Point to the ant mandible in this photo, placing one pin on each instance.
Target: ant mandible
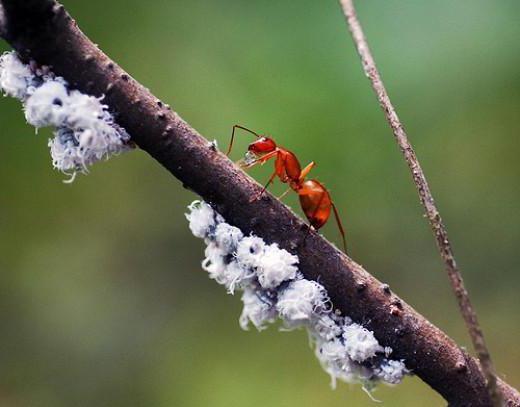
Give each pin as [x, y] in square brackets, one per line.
[314, 198]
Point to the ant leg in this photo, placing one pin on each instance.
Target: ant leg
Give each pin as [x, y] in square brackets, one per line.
[265, 188]
[306, 170]
[340, 226]
[262, 160]
[285, 193]
[308, 233]
[237, 126]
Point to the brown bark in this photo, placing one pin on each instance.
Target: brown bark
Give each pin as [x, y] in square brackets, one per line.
[43, 31]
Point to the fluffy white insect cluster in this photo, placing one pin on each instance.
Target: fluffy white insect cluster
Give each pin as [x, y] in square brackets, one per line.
[85, 132]
[272, 288]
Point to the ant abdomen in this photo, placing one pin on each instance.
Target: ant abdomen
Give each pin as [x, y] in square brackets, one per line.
[315, 202]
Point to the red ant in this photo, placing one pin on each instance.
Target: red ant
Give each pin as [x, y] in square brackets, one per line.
[315, 200]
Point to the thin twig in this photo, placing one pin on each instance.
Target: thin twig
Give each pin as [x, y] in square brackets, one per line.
[439, 230]
[53, 38]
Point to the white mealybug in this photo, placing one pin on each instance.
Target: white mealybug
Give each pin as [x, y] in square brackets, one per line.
[273, 289]
[84, 129]
[15, 77]
[302, 302]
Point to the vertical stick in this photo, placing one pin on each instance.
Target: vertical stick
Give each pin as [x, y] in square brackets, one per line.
[439, 230]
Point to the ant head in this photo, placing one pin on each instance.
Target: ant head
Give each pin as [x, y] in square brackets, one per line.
[262, 145]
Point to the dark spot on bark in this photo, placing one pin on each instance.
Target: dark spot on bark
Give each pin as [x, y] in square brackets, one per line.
[397, 303]
[361, 286]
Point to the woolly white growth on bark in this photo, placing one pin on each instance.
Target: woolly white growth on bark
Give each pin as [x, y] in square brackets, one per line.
[276, 266]
[227, 237]
[360, 343]
[85, 131]
[334, 359]
[229, 274]
[15, 77]
[327, 328]
[250, 251]
[258, 309]
[391, 371]
[237, 276]
[202, 219]
[272, 264]
[214, 263]
[274, 289]
[302, 301]
[47, 106]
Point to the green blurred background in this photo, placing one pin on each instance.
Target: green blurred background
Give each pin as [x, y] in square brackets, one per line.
[102, 299]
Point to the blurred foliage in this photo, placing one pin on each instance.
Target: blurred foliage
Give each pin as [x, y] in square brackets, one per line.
[102, 299]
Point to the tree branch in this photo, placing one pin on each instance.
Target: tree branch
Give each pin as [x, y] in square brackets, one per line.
[54, 39]
[426, 197]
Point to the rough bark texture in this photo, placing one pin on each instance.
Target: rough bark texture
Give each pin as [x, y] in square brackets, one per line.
[426, 197]
[43, 31]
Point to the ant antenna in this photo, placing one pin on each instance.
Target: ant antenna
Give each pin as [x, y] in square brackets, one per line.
[237, 126]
